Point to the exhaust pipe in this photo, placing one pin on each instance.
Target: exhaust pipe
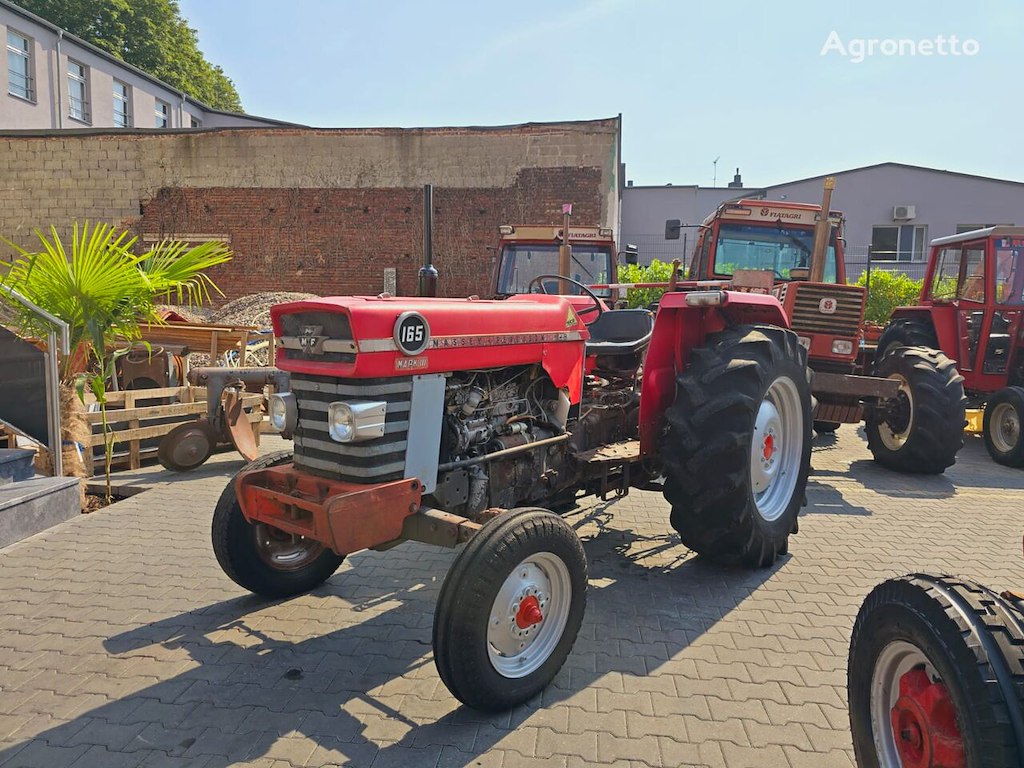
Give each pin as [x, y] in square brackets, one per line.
[428, 273]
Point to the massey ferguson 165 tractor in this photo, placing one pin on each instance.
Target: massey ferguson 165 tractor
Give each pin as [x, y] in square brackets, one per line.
[971, 307]
[912, 402]
[936, 676]
[454, 421]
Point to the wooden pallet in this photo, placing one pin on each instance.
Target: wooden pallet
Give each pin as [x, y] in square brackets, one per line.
[136, 422]
[200, 337]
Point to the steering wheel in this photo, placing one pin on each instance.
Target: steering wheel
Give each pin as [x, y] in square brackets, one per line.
[598, 304]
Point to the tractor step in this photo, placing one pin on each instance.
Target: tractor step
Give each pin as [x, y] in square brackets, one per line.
[613, 453]
[611, 457]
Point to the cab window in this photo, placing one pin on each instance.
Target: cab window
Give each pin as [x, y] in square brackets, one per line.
[522, 262]
[1009, 266]
[947, 274]
[972, 287]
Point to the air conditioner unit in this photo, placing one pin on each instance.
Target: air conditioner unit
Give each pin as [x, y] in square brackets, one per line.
[903, 212]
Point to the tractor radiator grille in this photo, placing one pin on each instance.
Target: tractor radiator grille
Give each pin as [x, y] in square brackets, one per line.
[324, 337]
[370, 461]
[807, 315]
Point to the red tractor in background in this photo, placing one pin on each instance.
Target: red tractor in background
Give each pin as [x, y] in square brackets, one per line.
[971, 308]
[452, 421]
[911, 399]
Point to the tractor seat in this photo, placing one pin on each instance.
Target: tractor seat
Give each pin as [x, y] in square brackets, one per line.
[620, 332]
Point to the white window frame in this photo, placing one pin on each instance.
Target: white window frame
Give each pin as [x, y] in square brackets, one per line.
[164, 114]
[82, 115]
[25, 54]
[126, 101]
[195, 122]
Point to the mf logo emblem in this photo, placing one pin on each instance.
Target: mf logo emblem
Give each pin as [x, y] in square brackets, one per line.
[828, 306]
[311, 340]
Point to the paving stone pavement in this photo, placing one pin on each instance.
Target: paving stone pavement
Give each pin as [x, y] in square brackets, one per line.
[123, 644]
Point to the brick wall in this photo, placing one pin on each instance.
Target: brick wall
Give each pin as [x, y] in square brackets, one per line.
[318, 210]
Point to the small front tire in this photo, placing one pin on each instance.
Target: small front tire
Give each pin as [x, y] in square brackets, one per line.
[1004, 416]
[510, 609]
[264, 559]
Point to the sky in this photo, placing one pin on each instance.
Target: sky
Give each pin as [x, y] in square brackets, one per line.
[782, 90]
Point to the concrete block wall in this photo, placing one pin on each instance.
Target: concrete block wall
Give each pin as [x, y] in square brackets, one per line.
[316, 209]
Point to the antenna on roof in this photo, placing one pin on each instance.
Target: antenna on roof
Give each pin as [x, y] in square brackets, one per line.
[714, 182]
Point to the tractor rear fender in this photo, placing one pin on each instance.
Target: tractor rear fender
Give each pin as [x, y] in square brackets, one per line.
[683, 323]
[943, 320]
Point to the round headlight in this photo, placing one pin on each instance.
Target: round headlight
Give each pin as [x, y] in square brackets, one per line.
[282, 411]
[341, 422]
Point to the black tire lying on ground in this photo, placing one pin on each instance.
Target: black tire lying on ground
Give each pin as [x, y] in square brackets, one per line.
[923, 645]
[921, 430]
[715, 473]
[263, 559]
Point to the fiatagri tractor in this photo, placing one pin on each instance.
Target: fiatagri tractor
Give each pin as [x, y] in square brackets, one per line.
[971, 306]
[464, 421]
[910, 396]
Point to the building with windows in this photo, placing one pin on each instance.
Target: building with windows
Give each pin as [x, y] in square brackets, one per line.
[56, 80]
[892, 210]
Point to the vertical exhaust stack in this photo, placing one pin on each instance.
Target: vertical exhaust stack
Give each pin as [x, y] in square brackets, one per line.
[822, 233]
[428, 272]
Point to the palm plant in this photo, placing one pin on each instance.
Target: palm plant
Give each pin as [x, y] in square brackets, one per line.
[104, 292]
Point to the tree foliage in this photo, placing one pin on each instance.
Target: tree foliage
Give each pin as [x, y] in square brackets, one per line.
[887, 291]
[149, 34]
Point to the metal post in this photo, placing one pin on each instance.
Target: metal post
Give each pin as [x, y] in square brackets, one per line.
[53, 404]
[565, 251]
[867, 281]
[428, 273]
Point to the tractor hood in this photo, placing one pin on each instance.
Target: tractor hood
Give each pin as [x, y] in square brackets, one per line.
[363, 337]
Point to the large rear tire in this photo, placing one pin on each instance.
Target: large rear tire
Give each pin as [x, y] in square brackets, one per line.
[509, 609]
[1004, 417]
[264, 559]
[921, 430]
[906, 332]
[737, 448]
[936, 676]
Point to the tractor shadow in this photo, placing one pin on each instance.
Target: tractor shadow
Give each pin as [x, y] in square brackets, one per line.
[825, 499]
[649, 599]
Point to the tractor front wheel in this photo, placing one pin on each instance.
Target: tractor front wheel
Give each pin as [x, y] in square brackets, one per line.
[510, 609]
[1004, 415]
[935, 675]
[737, 449]
[264, 559]
[921, 429]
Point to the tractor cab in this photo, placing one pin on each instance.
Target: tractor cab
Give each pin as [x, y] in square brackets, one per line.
[764, 235]
[974, 293]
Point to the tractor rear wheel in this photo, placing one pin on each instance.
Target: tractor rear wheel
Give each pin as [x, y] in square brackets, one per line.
[1004, 415]
[906, 332]
[264, 559]
[936, 676]
[509, 609]
[737, 448]
[920, 430]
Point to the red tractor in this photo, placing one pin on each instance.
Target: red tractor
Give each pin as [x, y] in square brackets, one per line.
[453, 421]
[971, 307]
[912, 406]
[936, 676]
